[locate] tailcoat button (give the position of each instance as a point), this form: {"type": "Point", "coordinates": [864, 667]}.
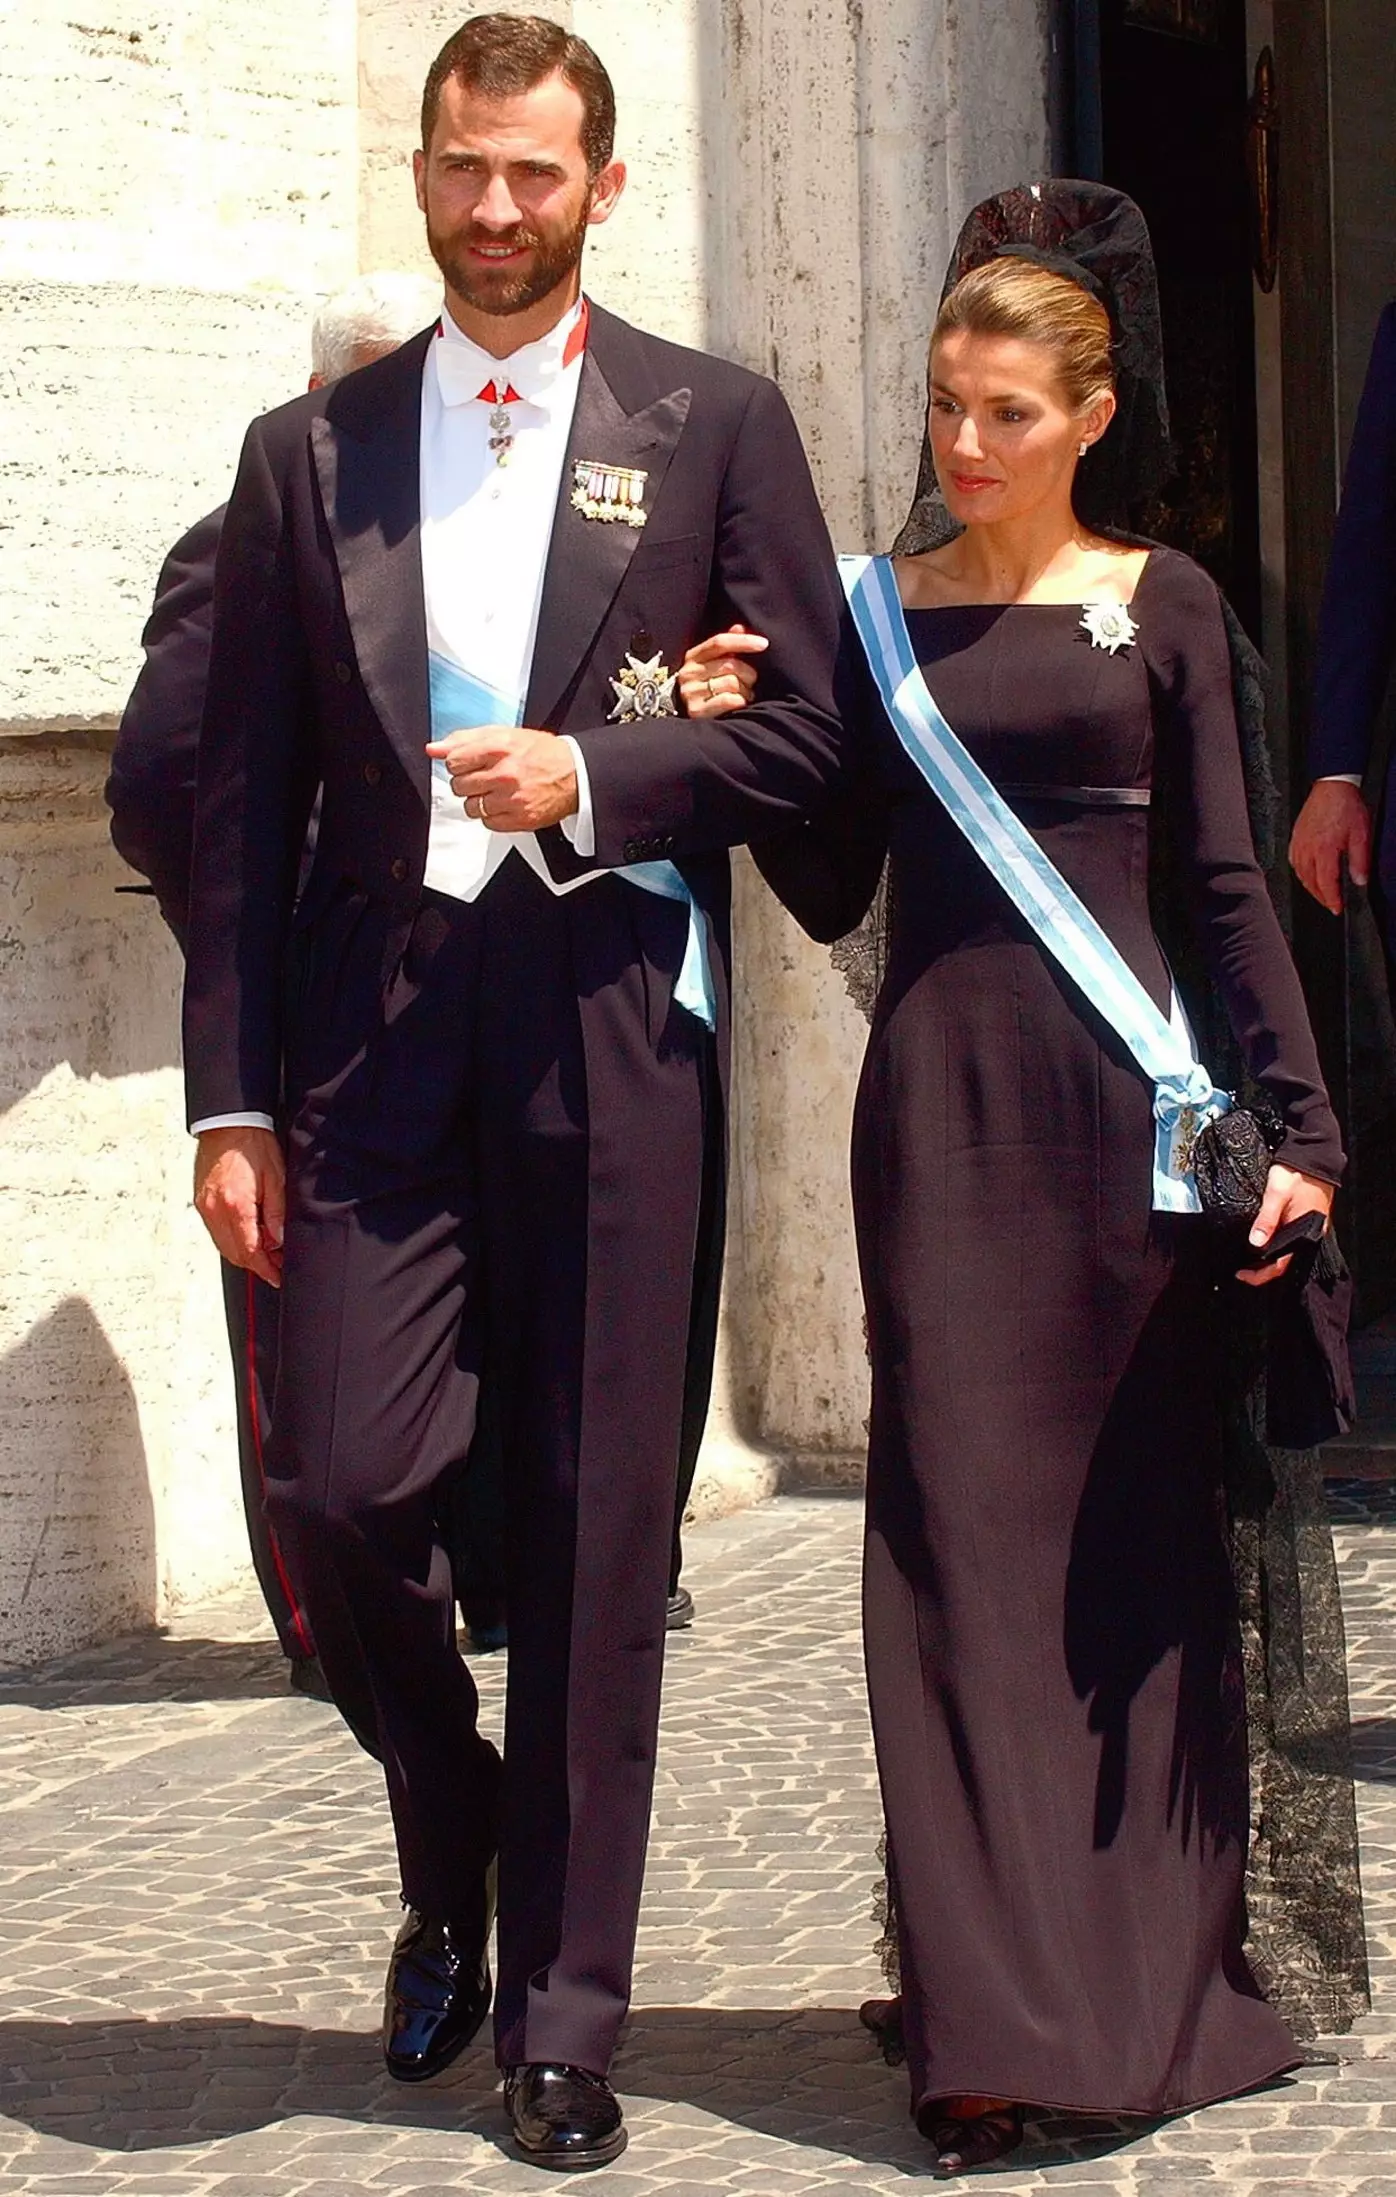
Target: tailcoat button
{"type": "Point", "coordinates": [342, 672]}
{"type": "Point", "coordinates": [372, 773]}
{"type": "Point", "coordinates": [398, 868]}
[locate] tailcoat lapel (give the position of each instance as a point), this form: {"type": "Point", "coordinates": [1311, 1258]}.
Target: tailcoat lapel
{"type": "Point", "coordinates": [367, 459]}
{"type": "Point", "coordinates": [367, 455]}
{"type": "Point", "coordinates": [620, 420]}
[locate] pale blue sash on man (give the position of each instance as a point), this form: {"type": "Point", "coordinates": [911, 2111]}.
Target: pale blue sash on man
{"type": "Point", "coordinates": [1185, 1097]}
{"type": "Point", "coordinates": [460, 701]}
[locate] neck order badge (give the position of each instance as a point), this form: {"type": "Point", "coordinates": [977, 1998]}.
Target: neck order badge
{"type": "Point", "coordinates": [501, 419]}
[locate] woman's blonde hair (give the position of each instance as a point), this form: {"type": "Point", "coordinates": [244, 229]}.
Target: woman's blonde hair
{"type": "Point", "coordinates": [1016, 297]}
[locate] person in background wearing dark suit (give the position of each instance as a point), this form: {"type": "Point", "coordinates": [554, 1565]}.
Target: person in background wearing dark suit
{"type": "Point", "coordinates": [151, 796]}
{"type": "Point", "coordinates": [452, 594]}
{"type": "Point", "coordinates": [1356, 646]}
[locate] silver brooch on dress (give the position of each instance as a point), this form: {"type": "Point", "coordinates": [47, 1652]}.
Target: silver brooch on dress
{"type": "Point", "coordinates": [1109, 625]}
{"type": "Point", "coordinates": [643, 690]}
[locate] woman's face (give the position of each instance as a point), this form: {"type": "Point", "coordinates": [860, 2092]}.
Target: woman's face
{"type": "Point", "coordinates": [1004, 438]}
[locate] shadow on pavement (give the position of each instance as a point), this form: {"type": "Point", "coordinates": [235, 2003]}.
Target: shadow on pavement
{"type": "Point", "coordinates": [124, 2085]}
{"type": "Point", "coordinates": [148, 1667]}
{"type": "Point", "coordinates": [1374, 1749]}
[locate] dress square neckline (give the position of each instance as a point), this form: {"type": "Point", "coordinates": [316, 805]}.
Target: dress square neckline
{"type": "Point", "coordinates": [935, 610]}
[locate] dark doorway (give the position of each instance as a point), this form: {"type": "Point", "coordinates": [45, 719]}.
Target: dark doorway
{"type": "Point", "coordinates": [1337, 255]}
{"type": "Point", "coordinates": [1154, 96]}
{"type": "Point", "coordinates": [1174, 100]}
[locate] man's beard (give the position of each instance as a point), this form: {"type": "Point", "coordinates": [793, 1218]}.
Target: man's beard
{"type": "Point", "coordinates": [505, 292]}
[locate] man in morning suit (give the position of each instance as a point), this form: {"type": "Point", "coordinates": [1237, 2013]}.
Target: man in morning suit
{"type": "Point", "coordinates": [450, 595]}
{"type": "Point", "coordinates": [1356, 646]}
{"type": "Point", "coordinates": [151, 796]}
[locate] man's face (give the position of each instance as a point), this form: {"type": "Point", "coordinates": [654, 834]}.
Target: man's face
{"type": "Point", "coordinates": [506, 194]}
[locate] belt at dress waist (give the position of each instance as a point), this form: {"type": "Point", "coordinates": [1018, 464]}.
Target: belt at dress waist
{"type": "Point", "coordinates": [1083, 797]}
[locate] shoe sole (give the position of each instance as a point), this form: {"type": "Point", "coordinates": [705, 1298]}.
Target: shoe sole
{"type": "Point", "coordinates": [576, 2162]}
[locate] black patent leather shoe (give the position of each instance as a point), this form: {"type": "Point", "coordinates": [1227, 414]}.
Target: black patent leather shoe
{"type": "Point", "coordinates": [563, 2118]}
{"type": "Point", "coordinates": [438, 1993]}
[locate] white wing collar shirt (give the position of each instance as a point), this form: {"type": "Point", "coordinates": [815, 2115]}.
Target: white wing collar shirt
{"type": "Point", "coordinates": [486, 531]}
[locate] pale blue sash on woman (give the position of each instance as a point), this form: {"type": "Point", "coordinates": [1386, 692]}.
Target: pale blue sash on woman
{"type": "Point", "coordinates": [1185, 1097]}
{"type": "Point", "coordinates": [460, 701]}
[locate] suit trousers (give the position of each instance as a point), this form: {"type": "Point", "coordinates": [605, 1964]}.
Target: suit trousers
{"type": "Point", "coordinates": [253, 1312]}
{"type": "Point", "coordinates": [494, 1170]}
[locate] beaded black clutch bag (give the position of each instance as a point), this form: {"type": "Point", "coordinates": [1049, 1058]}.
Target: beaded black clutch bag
{"type": "Point", "coordinates": [1232, 1158]}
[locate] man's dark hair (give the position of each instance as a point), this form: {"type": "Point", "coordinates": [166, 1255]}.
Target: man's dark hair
{"type": "Point", "coordinates": [503, 55]}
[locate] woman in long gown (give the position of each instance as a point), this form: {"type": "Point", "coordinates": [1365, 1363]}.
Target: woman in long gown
{"type": "Point", "coordinates": [1051, 1627]}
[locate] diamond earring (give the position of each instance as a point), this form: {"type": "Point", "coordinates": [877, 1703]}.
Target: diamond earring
{"type": "Point", "coordinates": [1082, 449]}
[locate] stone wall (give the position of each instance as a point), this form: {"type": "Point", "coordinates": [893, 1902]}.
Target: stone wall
{"type": "Point", "coordinates": [181, 184]}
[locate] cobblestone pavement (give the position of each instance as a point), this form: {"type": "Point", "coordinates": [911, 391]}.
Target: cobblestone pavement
{"type": "Point", "coordinates": [199, 1907]}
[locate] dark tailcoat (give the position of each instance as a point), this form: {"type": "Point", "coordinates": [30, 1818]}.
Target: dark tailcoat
{"type": "Point", "coordinates": [151, 796]}
{"type": "Point", "coordinates": [319, 671]}
{"type": "Point", "coordinates": [497, 1112]}
{"type": "Point", "coordinates": [1357, 627]}
{"type": "Point", "coordinates": [151, 787]}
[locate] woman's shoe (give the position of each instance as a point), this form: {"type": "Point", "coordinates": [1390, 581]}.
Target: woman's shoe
{"type": "Point", "coordinates": [883, 2018]}
{"type": "Point", "coordinates": [984, 2130]}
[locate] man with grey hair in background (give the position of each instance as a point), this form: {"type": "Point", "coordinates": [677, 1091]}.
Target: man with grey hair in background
{"type": "Point", "coordinates": [151, 795]}
{"type": "Point", "coordinates": [368, 318]}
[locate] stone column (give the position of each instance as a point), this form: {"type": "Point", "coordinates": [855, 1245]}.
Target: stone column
{"type": "Point", "coordinates": [844, 146]}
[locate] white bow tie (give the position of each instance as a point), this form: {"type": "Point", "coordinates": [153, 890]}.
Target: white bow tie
{"type": "Point", "coordinates": [463, 379]}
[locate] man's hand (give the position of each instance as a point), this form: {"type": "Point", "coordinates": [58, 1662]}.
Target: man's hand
{"type": "Point", "coordinates": [240, 1196]}
{"type": "Point", "coordinates": [512, 779]}
{"type": "Point", "coordinates": [1334, 821]}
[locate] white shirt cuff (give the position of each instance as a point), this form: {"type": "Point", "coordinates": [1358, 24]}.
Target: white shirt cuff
{"type": "Point", "coordinates": [1340, 778]}
{"type": "Point", "coordinates": [231, 1121]}
{"type": "Point", "coordinates": [580, 830]}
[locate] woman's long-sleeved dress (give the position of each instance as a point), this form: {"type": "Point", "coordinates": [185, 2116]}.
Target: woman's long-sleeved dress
{"type": "Point", "coordinates": [1052, 1641]}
